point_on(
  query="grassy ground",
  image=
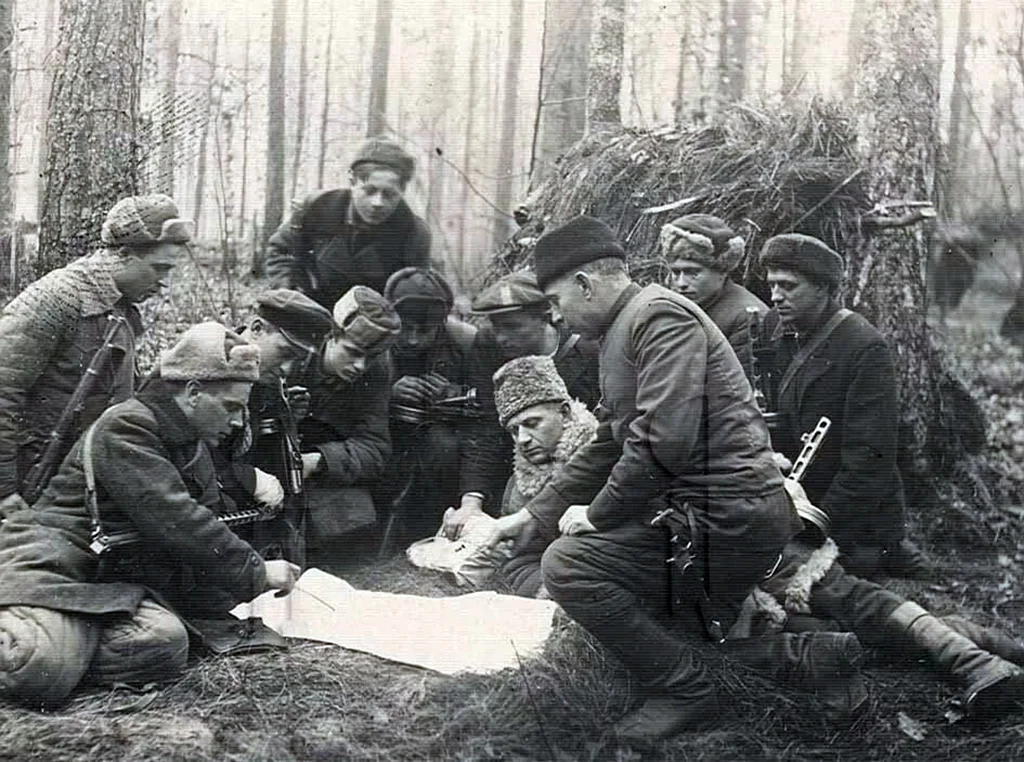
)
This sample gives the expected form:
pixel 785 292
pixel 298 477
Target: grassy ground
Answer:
pixel 322 703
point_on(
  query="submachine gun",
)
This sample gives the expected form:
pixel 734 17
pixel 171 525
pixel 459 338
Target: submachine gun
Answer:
pixel 462 407
pixel 761 369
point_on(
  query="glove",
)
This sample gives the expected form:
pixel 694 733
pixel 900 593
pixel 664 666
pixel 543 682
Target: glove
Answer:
pixel 269 491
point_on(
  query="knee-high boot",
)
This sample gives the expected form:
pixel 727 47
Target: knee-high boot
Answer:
pixel 991 684
pixel 826 664
pixel 991 640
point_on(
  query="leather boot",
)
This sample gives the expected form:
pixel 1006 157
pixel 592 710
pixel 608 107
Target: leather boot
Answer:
pixel 991 684
pixel 682 700
pixel 991 640
pixel 906 560
pixel 826 664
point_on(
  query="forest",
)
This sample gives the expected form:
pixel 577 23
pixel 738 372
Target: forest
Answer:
pixel 891 129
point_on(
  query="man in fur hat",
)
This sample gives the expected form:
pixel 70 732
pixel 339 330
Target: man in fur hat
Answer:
pixel 144 466
pixel 520 322
pixel 682 439
pixel 829 361
pixel 50 333
pixel 345 439
pixel 702 252
pixel 340 238
pixel 431 360
pixel 547 426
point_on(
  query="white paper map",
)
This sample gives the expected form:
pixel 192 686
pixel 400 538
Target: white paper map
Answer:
pixel 479 632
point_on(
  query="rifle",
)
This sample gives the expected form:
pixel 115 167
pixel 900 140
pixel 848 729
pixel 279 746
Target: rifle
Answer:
pixel 43 469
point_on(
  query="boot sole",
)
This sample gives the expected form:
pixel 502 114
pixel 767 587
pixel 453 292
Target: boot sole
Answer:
pixel 1003 695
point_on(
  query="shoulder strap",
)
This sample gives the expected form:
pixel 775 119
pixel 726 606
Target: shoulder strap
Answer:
pixel 811 347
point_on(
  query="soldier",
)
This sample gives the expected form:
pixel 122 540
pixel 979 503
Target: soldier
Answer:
pixel 51 332
pixel 64 615
pixel 259 463
pixel 345 440
pixel 682 437
pixel 340 238
pixel 520 323
pixel 702 251
pixel 829 361
pixel 431 362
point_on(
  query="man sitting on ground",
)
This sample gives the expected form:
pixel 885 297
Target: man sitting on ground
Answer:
pixel 143 466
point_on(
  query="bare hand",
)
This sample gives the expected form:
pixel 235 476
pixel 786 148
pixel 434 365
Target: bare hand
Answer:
pixel 454 520
pixel 281 575
pixel 269 491
pixel 784 464
pixel 298 401
pixel 574 521
pixel 311 463
pixel 508 527
pixel 11 504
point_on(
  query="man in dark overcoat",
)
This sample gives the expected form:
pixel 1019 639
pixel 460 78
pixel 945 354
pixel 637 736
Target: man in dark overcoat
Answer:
pixel 680 433
pixel 830 361
pixel 360 235
pixel 68 614
pixel 51 331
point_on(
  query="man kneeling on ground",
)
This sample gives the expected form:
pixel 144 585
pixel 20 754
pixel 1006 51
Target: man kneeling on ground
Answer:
pixel 143 466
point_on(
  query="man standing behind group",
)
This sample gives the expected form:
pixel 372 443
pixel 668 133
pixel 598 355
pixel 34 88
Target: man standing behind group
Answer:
pixel 702 251
pixel 340 238
pixel 681 430
pixel 50 333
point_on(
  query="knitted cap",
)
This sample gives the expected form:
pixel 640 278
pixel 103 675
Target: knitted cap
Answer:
pixel 141 220
pixel 525 382
pixel 210 352
pixel 302 321
pixel 368 319
pixel 579 241
pixel 512 292
pixel 804 254
pixel 388 153
pixel 704 239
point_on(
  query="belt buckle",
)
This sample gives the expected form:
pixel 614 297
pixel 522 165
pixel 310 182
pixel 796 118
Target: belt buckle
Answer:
pixel 683 552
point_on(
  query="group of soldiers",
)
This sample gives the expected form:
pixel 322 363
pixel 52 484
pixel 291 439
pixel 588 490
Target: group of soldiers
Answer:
pixel 600 426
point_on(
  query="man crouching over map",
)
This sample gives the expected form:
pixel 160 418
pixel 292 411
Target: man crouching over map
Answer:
pixel 69 615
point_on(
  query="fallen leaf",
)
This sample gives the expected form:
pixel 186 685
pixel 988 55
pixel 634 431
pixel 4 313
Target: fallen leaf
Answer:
pixel 911 727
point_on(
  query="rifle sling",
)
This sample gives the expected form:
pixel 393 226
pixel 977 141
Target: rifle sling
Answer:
pixel 91 502
pixel 808 349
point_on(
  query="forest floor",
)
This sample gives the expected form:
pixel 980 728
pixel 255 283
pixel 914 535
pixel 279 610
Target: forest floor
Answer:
pixel 322 703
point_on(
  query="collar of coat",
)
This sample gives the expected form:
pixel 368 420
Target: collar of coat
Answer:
pixel 620 304
pixel 158 396
pixel 580 429
pixel 95 276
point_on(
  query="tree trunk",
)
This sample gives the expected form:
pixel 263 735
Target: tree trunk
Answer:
pixel 854 38
pixel 509 117
pixel 246 113
pixel 204 133
pixel 684 55
pixel 739 41
pixel 562 111
pixel 796 68
pixel 300 108
pixel 465 228
pixel 376 120
pixel 441 83
pixel 956 106
pixel 328 63
pixel 724 88
pixel 6 44
pixel 898 101
pixel 273 208
pixel 604 70
pixel 169 125
pixel 92 125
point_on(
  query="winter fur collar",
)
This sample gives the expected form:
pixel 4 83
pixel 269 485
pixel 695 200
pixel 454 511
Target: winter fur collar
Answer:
pixel 580 429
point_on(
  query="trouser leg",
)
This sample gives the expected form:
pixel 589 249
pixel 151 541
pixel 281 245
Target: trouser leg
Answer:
pixel 44 653
pixel 149 646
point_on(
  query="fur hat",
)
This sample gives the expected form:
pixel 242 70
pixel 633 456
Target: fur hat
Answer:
pixel 210 352
pixel 703 239
pixel 525 382
pixel 142 220
pixel 579 241
pixel 301 320
pixel 420 293
pixel 368 319
pixel 512 292
pixel 387 153
pixel 804 254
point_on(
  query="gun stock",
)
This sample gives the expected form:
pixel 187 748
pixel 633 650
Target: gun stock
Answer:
pixel 104 542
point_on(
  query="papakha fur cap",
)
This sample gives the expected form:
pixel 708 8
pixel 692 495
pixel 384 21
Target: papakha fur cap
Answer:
pixel 806 255
pixel 211 352
pixel 704 239
pixel 525 382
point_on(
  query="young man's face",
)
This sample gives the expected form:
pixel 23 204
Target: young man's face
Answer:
pixel 216 409
pixel 376 195
pixel 344 358
pixel 417 336
pixel 696 281
pixel 798 299
pixel 143 275
pixel 537 430
pixel 278 356
pixel 520 332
